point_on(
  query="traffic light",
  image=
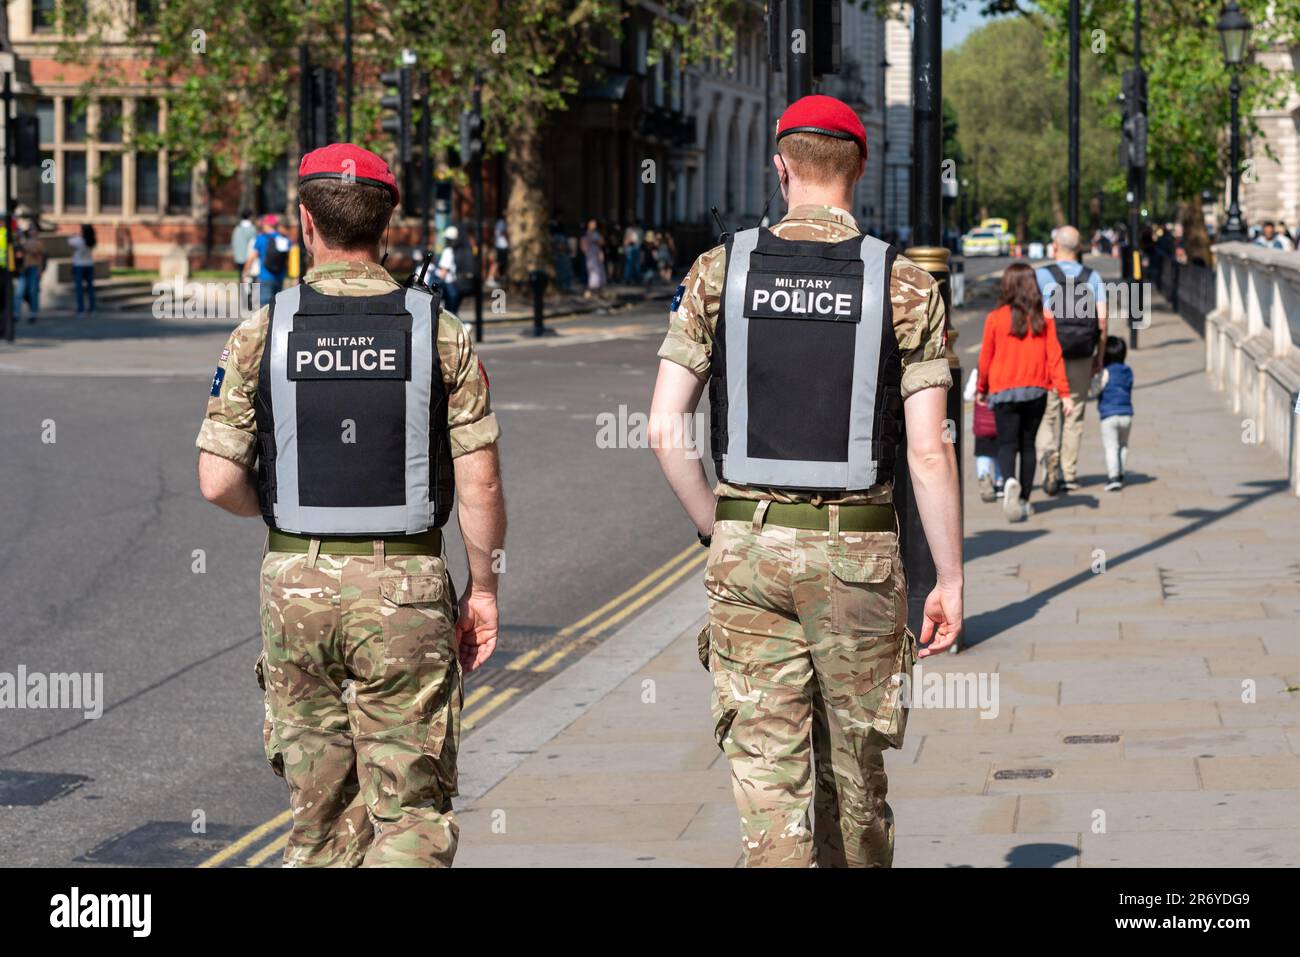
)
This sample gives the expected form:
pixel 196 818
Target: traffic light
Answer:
pixel 399 102
pixel 1133 92
pixel 1133 141
pixel 471 137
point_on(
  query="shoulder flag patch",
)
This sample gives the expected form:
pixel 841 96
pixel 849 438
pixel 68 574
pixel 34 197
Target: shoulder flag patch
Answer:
pixel 677 298
pixel 217 378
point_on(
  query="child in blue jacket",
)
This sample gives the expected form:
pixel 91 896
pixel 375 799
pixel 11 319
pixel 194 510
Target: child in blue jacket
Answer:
pixel 1115 406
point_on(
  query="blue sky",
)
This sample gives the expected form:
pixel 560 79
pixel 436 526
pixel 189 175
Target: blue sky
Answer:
pixel 954 31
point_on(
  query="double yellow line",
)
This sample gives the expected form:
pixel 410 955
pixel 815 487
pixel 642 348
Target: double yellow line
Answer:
pixel 484 700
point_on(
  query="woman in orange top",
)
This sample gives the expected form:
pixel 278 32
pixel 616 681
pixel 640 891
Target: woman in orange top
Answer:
pixel 1020 362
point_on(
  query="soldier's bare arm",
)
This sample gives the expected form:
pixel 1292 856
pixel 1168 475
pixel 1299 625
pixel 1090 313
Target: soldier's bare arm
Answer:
pixel 933 465
pixel 227 485
pixel 677 393
pixel 482 515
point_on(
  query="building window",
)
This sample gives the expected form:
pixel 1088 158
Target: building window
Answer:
pixel 47 181
pixel 273 187
pixel 110 182
pixel 146 13
pixel 44 16
pixel 74 182
pixel 110 121
pixel 146 117
pixel 45 119
pixel 180 184
pixel 74 121
pixel 146 182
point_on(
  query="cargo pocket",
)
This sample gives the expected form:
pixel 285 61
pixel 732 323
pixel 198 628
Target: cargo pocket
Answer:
pixel 417 623
pixel 863 599
pixel 723 704
pixel 270 740
pixel 891 698
pixel 418 590
pixel 442 742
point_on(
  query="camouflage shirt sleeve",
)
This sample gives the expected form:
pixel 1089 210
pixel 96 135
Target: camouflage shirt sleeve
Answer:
pixel 919 327
pixel 470 418
pixel 695 313
pixel 229 429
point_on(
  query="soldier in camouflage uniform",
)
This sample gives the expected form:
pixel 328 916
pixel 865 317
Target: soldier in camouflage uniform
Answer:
pixel 364 646
pixel 807 626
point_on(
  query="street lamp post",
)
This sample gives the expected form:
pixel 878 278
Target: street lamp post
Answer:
pixel 1234 32
pixel 930 254
pixel 1072 196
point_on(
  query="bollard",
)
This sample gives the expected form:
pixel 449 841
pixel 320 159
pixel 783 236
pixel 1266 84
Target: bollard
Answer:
pixel 537 281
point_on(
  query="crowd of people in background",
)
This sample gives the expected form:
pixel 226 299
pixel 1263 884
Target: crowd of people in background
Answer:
pixel 602 255
pixel 1046 351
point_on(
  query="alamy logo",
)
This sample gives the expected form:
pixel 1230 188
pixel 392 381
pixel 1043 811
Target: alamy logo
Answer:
pixel 76 691
pixel 103 910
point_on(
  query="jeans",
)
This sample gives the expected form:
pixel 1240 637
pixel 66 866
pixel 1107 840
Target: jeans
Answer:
pixel 1017 426
pixel 988 465
pixel 267 288
pixel 632 266
pixel 83 283
pixel 450 296
pixel 29 289
pixel 1114 439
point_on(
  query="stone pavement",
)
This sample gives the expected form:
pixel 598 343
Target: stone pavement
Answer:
pixel 1146 649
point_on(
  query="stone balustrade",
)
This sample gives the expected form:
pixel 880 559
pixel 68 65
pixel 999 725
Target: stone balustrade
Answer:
pixel 1252 345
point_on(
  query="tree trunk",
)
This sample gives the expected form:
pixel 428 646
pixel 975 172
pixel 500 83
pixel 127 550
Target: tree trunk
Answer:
pixel 526 205
pixel 1058 211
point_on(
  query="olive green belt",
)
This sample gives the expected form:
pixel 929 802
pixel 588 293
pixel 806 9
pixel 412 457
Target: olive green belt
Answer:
pixel 805 515
pixel 425 543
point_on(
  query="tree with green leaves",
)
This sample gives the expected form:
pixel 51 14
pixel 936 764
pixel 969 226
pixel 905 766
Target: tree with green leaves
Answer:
pixel 1187 81
pixel 227 69
pixel 1011 110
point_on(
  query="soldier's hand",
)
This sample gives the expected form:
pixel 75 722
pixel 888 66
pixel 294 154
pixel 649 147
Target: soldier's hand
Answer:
pixel 476 629
pixel 942 619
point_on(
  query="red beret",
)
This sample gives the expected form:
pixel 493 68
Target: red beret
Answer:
pixel 348 162
pixel 824 115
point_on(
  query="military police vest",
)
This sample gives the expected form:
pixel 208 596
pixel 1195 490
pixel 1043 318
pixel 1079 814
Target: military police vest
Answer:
pixel 805 370
pixel 351 415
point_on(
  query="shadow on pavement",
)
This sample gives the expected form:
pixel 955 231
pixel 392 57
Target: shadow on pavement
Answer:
pixel 989 624
pixel 1172 378
pixel 990 541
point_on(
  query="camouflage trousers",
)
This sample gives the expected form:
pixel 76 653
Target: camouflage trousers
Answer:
pixel 363 695
pixel 806 632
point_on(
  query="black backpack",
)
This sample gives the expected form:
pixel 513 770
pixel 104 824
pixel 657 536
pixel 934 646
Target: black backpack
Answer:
pixel 466 266
pixel 1078 334
pixel 276 260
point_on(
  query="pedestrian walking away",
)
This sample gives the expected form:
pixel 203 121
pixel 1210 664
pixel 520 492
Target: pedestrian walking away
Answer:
pixel 268 259
pixel 241 240
pixel 985 429
pixel 1020 362
pixel 32 249
pixel 82 244
pixel 1076 297
pixel 446 272
pixel 816 342
pixel 593 249
pixel 364 643
pixel 1115 406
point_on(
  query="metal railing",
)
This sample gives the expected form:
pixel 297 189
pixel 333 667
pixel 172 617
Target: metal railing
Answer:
pixel 1189 288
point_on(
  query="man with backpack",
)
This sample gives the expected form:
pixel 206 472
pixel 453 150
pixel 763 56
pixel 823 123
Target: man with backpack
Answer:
pixel 270 257
pixel 1076 298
